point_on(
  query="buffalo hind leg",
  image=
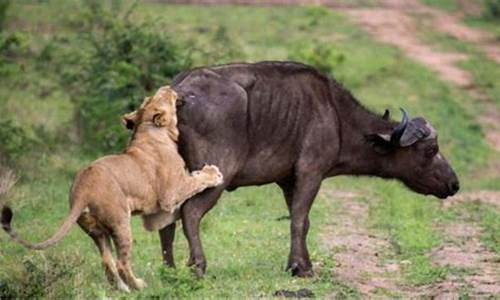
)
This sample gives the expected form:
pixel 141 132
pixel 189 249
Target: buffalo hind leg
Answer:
pixel 167 235
pixel 192 213
pixel 305 189
pixel 287 186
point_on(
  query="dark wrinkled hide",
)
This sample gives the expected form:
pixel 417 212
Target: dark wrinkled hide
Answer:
pixel 287 123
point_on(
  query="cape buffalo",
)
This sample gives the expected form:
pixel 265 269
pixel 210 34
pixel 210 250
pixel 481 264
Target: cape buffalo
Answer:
pixel 287 123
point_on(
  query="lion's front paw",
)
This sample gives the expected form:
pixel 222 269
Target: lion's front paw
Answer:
pixel 215 177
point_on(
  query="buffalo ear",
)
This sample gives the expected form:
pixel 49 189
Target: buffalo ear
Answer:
pixel 129 120
pixel 160 119
pixel 381 143
pixel 386 115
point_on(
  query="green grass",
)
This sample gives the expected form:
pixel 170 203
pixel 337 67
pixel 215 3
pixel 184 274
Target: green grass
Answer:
pixel 483 69
pixel 409 219
pixel 487 217
pixel 483 21
pixel 245 245
pixel 449 5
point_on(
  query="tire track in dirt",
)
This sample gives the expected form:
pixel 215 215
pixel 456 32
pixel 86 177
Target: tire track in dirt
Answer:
pixel 357 251
pixel 395 22
pixel 462 250
pixel 360 255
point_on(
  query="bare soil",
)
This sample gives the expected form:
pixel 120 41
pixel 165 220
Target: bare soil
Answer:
pixel 488 197
pixel 463 250
pixel 358 251
pixel 361 255
pixel 398 22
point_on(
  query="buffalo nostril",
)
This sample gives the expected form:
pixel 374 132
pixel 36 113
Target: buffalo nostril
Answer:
pixel 454 187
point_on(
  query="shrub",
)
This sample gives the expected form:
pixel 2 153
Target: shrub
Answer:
pixel 117 64
pixel 493 8
pixel 219 48
pixel 12 46
pixel 4 5
pixel 35 275
pixel 321 56
pixel 15 142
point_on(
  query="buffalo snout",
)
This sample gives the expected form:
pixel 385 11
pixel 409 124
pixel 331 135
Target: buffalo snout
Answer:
pixel 453 187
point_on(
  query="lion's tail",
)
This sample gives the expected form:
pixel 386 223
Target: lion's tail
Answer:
pixel 73 216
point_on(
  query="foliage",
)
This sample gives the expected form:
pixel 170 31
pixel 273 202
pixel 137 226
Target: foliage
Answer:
pixel 34 277
pixel 220 47
pixel 15 142
pixel 493 9
pixel 4 5
pixel 12 47
pixel 314 15
pixel 322 56
pixel 118 64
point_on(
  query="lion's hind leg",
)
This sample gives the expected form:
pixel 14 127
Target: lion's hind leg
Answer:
pixel 122 238
pixel 103 242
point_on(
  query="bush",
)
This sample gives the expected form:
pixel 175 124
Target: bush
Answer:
pixel 321 56
pixel 35 275
pixel 219 48
pixel 493 8
pixel 14 142
pixel 4 5
pixel 12 46
pixel 116 63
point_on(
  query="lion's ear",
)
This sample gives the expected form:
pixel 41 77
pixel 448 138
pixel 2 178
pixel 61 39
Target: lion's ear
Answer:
pixel 129 120
pixel 160 119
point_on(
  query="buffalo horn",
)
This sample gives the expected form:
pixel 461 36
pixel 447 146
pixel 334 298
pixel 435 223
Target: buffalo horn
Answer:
pixel 398 131
pixel 386 115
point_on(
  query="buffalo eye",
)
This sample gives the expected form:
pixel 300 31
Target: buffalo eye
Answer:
pixel 431 151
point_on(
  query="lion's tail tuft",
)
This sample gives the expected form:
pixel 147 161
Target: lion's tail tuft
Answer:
pixel 6 218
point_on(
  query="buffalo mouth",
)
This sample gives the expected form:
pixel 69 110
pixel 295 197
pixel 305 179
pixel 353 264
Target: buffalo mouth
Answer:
pixel 438 192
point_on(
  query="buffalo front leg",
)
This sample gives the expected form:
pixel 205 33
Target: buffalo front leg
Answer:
pixel 192 213
pixel 304 192
pixel 167 235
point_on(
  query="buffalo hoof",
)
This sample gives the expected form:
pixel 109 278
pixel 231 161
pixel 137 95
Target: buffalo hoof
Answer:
pixel 198 272
pixel 198 268
pixel 300 270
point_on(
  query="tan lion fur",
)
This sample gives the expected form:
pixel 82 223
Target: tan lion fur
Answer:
pixel 149 179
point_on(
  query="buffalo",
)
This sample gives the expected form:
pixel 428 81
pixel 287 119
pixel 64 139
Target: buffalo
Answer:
pixel 289 124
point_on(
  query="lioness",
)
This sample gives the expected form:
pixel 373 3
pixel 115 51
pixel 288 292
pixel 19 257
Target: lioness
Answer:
pixel 149 179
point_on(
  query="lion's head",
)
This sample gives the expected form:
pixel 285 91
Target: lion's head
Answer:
pixel 158 110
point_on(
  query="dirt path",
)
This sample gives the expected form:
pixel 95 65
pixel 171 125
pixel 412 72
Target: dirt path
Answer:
pixel 463 250
pixel 361 256
pixel 397 22
pixel 358 252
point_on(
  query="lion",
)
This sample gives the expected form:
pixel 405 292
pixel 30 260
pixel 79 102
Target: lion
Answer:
pixel 148 179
